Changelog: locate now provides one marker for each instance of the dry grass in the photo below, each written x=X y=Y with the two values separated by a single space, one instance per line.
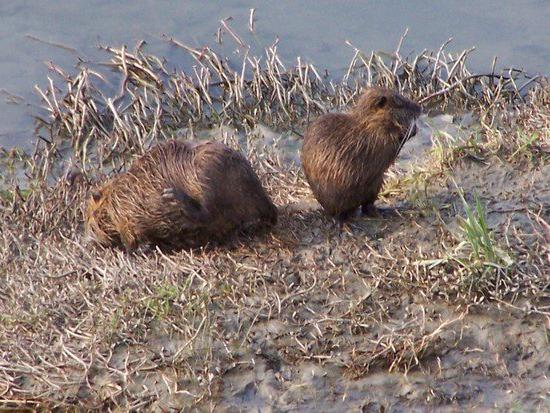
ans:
x=83 y=326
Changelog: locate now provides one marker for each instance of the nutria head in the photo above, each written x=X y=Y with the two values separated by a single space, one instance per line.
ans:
x=97 y=222
x=384 y=112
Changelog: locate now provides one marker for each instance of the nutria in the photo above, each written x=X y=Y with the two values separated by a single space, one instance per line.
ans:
x=180 y=194
x=345 y=155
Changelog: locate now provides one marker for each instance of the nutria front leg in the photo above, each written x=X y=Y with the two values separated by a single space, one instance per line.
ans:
x=127 y=237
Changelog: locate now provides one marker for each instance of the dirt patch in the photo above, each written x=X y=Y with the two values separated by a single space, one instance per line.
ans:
x=304 y=318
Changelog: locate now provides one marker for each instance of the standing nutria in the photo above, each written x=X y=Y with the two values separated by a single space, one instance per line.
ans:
x=179 y=194
x=345 y=155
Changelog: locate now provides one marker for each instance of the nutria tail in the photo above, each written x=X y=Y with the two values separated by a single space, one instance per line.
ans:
x=190 y=207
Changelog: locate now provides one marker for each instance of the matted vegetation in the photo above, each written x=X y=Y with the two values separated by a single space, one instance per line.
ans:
x=442 y=302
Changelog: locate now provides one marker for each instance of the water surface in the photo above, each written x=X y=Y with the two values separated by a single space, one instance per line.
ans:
x=517 y=32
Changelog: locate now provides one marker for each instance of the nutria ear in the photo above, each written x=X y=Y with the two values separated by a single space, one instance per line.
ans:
x=381 y=101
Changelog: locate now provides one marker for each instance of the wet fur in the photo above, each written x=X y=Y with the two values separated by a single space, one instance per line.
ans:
x=179 y=194
x=345 y=155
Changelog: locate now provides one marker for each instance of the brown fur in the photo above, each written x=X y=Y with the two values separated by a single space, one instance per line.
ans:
x=179 y=194
x=345 y=155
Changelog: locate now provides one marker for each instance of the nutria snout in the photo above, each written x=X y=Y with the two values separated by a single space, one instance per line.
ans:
x=180 y=194
x=345 y=155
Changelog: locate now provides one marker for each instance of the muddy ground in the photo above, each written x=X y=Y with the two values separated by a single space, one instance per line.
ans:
x=392 y=314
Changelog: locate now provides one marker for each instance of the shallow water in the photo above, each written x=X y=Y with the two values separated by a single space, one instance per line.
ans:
x=516 y=31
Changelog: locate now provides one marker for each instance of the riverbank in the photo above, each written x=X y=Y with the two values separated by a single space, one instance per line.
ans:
x=441 y=303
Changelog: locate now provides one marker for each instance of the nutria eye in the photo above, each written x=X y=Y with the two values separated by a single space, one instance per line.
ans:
x=381 y=102
x=96 y=196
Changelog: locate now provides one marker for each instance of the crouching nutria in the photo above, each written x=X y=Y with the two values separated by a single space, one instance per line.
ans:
x=345 y=155
x=179 y=194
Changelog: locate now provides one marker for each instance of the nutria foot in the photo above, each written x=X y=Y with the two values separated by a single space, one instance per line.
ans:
x=369 y=210
x=174 y=195
x=191 y=206
x=343 y=218
x=177 y=195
